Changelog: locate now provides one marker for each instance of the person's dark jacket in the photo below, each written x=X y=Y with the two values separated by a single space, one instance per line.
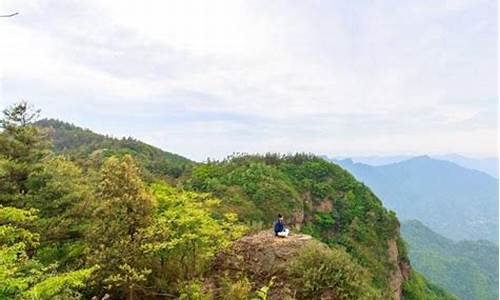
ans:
x=279 y=226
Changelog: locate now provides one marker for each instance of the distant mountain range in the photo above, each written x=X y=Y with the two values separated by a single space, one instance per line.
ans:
x=458 y=202
x=468 y=269
x=487 y=165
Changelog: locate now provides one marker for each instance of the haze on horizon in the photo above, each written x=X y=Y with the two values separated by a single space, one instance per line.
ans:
x=207 y=79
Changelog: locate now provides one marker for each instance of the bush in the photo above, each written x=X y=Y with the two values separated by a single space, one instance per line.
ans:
x=324 y=220
x=319 y=270
x=235 y=290
x=262 y=293
x=193 y=290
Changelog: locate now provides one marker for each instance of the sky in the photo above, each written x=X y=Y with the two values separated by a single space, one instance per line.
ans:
x=211 y=78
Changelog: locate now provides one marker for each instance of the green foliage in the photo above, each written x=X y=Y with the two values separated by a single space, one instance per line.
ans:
x=468 y=269
x=184 y=236
x=402 y=249
x=24 y=207
x=60 y=287
x=19 y=115
x=256 y=187
x=124 y=208
x=324 y=220
x=22 y=146
x=319 y=270
x=238 y=289
x=311 y=230
x=262 y=293
x=17 y=270
x=163 y=236
x=81 y=144
x=60 y=193
x=193 y=290
x=300 y=184
x=418 y=288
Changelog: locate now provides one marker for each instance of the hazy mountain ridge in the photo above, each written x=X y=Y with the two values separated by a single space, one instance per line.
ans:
x=457 y=202
x=488 y=165
x=468 y=269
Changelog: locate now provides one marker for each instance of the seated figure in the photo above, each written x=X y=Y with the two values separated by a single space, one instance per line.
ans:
x=279 y=227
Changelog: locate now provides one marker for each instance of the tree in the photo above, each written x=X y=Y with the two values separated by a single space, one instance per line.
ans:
x=60 y=193
x=22 y=146
x=123 y=208
x=184 y=236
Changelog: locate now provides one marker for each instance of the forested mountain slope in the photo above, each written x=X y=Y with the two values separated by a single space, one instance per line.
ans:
x=321 y=199
x=457 y=202
x=467 y=268
x=83 y=144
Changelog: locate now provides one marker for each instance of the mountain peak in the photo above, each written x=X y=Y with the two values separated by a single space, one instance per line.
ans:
x=458 y=202
x=422 y=157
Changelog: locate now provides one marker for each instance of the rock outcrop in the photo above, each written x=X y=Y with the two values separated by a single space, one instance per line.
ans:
x=261 y=254
x=401 y=270
x=261 y=257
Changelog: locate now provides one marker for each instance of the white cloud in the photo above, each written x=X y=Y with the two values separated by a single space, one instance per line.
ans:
x=295 y=75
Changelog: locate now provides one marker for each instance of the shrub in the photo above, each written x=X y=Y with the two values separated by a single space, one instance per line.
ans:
x=193 y=290
x=262 y=293
x=324 y=220
x=318 y=270
x=235 y=290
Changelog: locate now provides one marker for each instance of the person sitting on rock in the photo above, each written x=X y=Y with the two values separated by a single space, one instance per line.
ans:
x=279 y=227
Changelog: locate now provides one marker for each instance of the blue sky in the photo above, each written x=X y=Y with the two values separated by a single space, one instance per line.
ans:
x=209 y=78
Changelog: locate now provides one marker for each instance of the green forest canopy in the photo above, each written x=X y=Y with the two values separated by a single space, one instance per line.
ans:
x=467 y=268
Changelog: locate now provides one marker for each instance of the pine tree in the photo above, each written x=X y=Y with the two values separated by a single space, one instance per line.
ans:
x=123 y=209
x=22 y=146
x=60 y=193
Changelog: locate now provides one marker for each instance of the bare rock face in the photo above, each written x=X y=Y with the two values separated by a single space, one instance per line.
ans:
x=396 y=277
x=324 y=206
x=401 y=270
x=297 y=218
x=405 y=268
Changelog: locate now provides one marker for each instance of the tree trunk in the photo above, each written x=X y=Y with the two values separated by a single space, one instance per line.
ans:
x=130 y=293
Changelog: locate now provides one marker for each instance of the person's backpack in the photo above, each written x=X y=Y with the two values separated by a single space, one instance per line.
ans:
x=278 y=226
